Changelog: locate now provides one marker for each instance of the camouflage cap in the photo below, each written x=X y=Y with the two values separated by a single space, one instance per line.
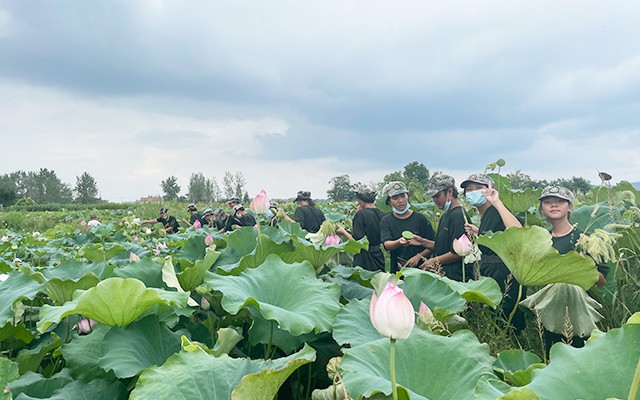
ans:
x=233 y=200
x=478 y=178
x=302 y=195
x=439 y=183
x=218 y=212
x=206 y=212
x=557 y=191
x=366 y=193
x=237 y=208
x=394 y=188
x=274 y=204
x=192 y=207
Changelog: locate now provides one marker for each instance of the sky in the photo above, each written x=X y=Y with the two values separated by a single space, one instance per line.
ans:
x=294 y=93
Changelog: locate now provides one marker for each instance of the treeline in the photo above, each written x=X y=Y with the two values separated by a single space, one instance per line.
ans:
x=27 y=188
x=416 y=176
x=206 y=190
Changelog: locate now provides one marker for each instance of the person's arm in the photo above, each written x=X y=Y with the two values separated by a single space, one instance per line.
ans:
x=186 y=221
x=442 y=259
x=493 y=197
x=285 y=216
x=149 y=221
x=343 y=232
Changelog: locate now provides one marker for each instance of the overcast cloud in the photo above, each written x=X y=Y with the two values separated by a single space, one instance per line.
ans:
x=294 y=93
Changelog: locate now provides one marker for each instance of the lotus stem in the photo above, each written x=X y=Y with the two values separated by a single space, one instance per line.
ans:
x=633 y=393
x=515 y=307
x=464 y=278
x=268 y=352
x=392 y=369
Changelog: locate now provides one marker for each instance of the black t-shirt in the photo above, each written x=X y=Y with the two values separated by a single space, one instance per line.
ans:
x=566 y=243
x=366 y=222
x=451 y=226
x=247 y=220
x=491 y=221
x=170 y=222
x=309 y=218
x=391 y=228
x=195 y=217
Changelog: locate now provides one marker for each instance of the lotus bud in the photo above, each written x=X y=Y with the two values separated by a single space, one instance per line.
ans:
x=5 y=238
x=462 y=246
x=208 y=240
x=332 y=240
x=161 y=245
x=260 y=203
x=135 y=239
x=86 y=325
x=83 y=223
x=392 y=313
x=133 y=257
x=35 y=234
x=148 y=231
x=129 y=212
x=204 y=304
x=156 y=252
x=136 y=221
x=197 y=224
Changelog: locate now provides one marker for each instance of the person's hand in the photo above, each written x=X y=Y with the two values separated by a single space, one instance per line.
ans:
x=413 y=261
x=416 y=240
x=403 y=242
x=471 y=229
x=491 y=195
x=341 y=231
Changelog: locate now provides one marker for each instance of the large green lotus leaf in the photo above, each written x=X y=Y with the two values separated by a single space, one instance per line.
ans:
x=17 y=333
x=100 y=252
x=623 y=190
x=30 y=359
x=590 y=218
x=431 y=289
x=553 y=302
x=145 y=270
x=199 y=375
x=192 y=275
x=193 y=249
x=114 y=301
x=428 y=366
x=528 y=254
x=349 y=288
x=484 y=290
x=493 y=389
x=353 y=324
x=70 y=270
x=288 y=293
x=18 y=286
x=8 y=372
x=35 y=385
x=517 y=200
x=517 y=366
x=264 y=247
x=94 y=390
x=239 y=243
x=82 y=354
x=292 y=229
x=263 y=331
x=61 y=291
x=318 y=256
x=129 y=350
x=603 y=369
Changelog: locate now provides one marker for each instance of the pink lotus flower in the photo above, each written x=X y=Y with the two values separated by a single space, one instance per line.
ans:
x=197 y=224
x=83 y=223
x=161 y=245
x=332 y=240
x=135 y=239
x=5 y=238
x=156 y=252
x=86 y=325
x=204 y=304
x=462 y=246
x=133 y=257
x=392 y=313
x=208 y=240
x=424 y=311
x=260 y=203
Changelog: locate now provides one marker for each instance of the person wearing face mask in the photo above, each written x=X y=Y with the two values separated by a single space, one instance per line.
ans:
x=494 y=217
x=404 y=252
x=442 y=188
x=241 y=217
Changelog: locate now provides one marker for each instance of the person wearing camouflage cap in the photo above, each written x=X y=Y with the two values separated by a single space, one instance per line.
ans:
x=208 y=218
x=366 y=222
x=556 y=204
x=194 y=215
x=167 y=220
x=442 y=189
x=404 y=232
x=495 y=217
x=306 y=214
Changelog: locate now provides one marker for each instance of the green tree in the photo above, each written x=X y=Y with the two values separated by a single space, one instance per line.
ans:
x=43 y=186
x=520 y=180
x=86 y=189
x=199 y=190
x=7 y=190
x=341 y=189
x=170 y=188
x=227 y=184
x=576 y=184
x=415 y=176
x=240 y=184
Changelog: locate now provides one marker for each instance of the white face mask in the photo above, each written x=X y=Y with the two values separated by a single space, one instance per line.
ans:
x=400 y=212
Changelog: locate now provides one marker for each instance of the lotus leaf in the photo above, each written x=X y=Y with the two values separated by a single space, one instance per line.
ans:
x=264 y=331
x=30 y=359
x=353 y=326
x=528 y=254
x=35 y=385
x=61 y=291
x=16 y=288
x=428 y=366
x=516 y=366
x=102 y=252
x=146 y=270
x=197 y=374
x=83 y=353
x=300 y=304
x=192 y=275
x=431 y=289
x=8 y=372
x=319 y=256
x=192 y=249
x=239 y=243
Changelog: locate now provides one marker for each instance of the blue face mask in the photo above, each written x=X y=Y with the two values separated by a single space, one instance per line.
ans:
x=476 y=198
x=447 y=205
x=269 y=213
x=400 y=212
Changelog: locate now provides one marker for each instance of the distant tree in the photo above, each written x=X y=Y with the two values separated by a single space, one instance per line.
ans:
x=44 y=186
x=240 y=184
x=7 y=190
x=520 y=180
x=198 y=188
x=227 y=185
x=341 y=189
x=170 y=188
x=415 y=176
x=576 y=184
x=86 y=189
x=216 y=193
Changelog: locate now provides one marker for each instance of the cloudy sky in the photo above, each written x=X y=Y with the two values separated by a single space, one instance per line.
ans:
x=293 y=93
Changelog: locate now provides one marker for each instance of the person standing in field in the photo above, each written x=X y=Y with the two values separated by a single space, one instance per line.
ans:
x=167 y=220
x=306 y=214
x=494 y=217
x=194 y=215
x=93 y=222
x=442 y=188
x=556 y=204
x=366 y=222
x=405 y=252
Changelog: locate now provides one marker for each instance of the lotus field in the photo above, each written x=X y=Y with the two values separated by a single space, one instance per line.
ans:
x=122 y=312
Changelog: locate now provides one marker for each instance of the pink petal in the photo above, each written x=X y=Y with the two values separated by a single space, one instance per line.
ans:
x=260 y=203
